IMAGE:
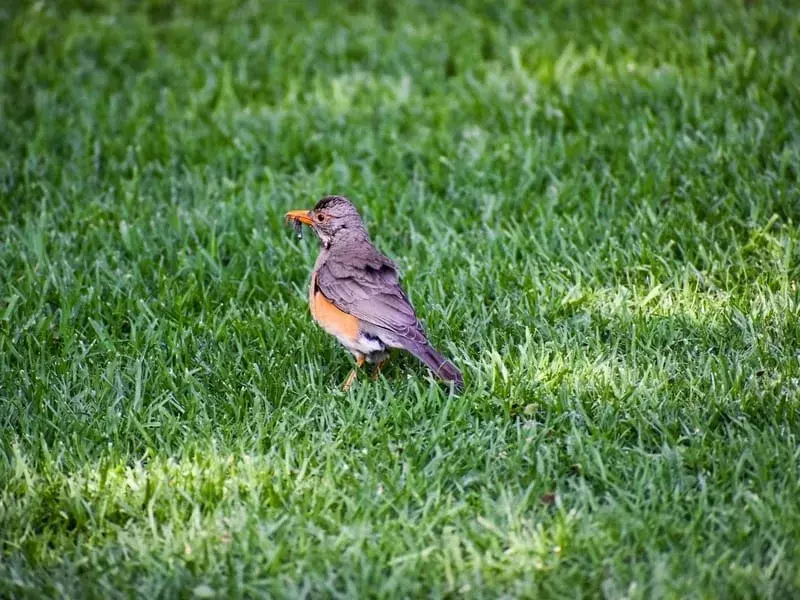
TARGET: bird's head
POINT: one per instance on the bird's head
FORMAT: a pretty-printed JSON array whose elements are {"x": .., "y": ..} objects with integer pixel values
[{"x": 331, "y": 216}]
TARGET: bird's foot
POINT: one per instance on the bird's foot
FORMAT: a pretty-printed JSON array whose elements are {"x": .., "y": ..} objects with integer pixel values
[
  {"x": 350, "y": 379},
  {"x": 378, "y": 367},
  {"x": 353, "y": 374}
]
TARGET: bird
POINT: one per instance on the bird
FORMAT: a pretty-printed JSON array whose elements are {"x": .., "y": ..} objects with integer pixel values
[{"x": 355, "y": 293}]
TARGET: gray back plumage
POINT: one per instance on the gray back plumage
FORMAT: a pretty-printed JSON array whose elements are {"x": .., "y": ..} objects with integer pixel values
[{"x": 361, "y": 281}]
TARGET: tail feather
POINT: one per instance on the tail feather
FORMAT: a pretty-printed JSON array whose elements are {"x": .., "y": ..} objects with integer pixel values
[{"x": 441, "y": 367}]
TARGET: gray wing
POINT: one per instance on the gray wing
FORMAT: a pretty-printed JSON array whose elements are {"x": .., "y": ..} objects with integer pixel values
[{"x": 365, "y": 284}]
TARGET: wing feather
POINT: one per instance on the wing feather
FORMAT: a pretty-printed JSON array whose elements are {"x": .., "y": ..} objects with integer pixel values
[{"x": 366, "y": 285}]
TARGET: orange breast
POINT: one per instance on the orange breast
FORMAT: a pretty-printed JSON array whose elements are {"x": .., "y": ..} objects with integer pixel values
[{"x": 336, "y": 322}]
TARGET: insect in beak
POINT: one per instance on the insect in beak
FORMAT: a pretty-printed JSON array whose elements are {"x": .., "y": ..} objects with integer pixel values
[{"x": 298, "y": 218}]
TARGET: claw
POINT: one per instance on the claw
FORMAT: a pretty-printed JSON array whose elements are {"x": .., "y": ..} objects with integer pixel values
[
  {"x": 349, "y": 381},
  {"x": 353, "y": 374},
  {"x": 378, "y": 367}
]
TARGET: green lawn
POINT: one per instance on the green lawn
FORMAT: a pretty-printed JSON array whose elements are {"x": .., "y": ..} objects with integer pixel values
[{"x": 596, "y": 213}]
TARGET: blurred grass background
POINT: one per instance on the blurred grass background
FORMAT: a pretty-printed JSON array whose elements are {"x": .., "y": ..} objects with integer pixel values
[{"x": 595, "y": 208}]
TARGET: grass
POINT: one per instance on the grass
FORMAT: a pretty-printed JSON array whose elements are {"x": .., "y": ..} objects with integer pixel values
[{"x": 595, "y": 209}]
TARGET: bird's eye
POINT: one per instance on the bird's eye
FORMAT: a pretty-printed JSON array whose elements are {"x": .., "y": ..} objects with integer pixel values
[{"x": 320, "y": 217}]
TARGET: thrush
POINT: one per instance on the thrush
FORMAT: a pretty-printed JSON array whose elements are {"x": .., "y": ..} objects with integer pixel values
[{"x": 355, "y": 293}]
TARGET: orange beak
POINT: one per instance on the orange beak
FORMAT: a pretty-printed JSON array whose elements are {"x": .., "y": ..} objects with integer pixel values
[{"x": 299, "y": 215}]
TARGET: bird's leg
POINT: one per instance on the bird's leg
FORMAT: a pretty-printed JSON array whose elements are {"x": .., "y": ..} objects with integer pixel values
[
  {"x": 352, "y": 377},
  {"x": 378, "y": 367}
]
